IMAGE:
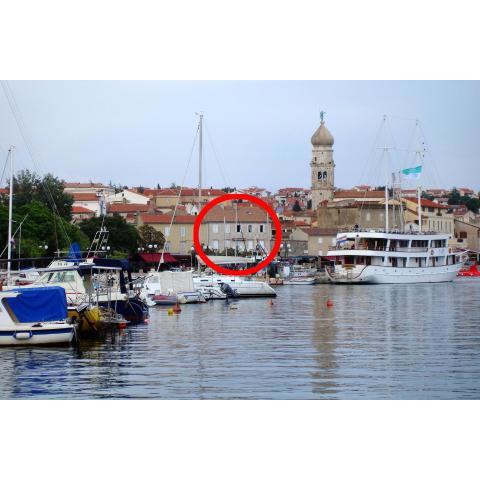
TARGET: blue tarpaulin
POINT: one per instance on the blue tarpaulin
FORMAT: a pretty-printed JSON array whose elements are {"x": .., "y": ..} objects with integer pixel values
[{"x": 39, "y": 304}]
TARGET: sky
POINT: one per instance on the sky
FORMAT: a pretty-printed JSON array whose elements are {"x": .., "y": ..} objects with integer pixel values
[{"x": 257, "y": 132}]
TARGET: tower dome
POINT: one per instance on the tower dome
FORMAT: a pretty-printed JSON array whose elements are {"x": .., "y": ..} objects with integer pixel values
[{"x": 322, "y": 137}]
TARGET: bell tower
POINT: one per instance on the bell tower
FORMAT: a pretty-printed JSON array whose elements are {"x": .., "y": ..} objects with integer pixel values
[{"x": 322, "y": 165}]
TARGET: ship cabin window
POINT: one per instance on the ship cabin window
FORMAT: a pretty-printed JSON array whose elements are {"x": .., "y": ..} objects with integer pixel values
[{"x": 349, "y": 261}]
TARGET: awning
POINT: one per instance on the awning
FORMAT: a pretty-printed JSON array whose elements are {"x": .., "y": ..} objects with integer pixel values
[{"x": 155, "y": 257}]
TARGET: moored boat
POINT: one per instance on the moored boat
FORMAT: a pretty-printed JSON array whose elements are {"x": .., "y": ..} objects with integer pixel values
[
  {"x": 34, "y": 316},
  {"x": 472, "y": 271}
]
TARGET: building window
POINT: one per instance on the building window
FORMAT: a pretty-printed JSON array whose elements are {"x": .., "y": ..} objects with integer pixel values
[
  {"x": 215, "y": 244},
  {"x": 167, "y": 231},
  {"x": 227, "y": 243},
  {"x": 262, "y": 228},
  {"x": 239, "y": 228},
  {"x": 250, "y": 245},
  {"x": 167, "y": 246},
  {"x": 368, "y": 216},
  {"x": 215, "y": 228},
  {"x": 319, "y": 176},
  {"x": 250, "y": 228},
  {"x": 320, "y": 240},
  {"x": 182, "y": 231},
  {"x": 183, "y": 246},
  {"x": 227, "y": 228},
  {"x": 324, "y": 176}
]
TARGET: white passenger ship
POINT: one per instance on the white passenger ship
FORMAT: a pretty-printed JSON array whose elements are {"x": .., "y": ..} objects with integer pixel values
[{"x": 392, "y": 257}]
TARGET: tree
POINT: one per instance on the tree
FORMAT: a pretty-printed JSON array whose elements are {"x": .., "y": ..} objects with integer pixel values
[
  {"x": 123, "y": 238},
  {"x": 454, "y": 198},
  {"x": 40, "y": 227},
  {"x": 140, "y": 189},
  {"x": 150, "y": 236},
  {"x": 174, "y": 186},
  {"x": 427, "y": 196},
  {"x": 49, "y": 190},
  {"x": 296, "y": 207},
  {"x": 473, "y": 204}
]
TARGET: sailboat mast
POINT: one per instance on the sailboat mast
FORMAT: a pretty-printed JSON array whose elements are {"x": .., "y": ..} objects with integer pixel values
[
  {"x": 418, "y": 161},
  {"x": 200, "y": 152},
  {"x": 385, "y": 158},
  {"x": 10, "y": 213}
]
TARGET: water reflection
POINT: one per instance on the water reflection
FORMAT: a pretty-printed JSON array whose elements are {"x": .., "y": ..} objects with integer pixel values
[{"x": 385, "y": 341}]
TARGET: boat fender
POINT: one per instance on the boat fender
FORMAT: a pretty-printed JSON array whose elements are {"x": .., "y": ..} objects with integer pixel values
[
  {"x": 22, "y": 335},
  {"x": 329, "y": 303}
]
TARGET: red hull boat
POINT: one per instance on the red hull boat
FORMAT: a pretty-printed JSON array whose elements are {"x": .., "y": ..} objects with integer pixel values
[{"x": 471, "y": 272}]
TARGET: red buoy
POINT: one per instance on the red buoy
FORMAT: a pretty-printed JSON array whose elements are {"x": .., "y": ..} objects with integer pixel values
[
  {"x": 329, "y": 303},
  {"x": 176, "y": 308}
]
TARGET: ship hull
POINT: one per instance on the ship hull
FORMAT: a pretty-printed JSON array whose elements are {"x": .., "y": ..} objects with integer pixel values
[{"x": 378, "y": 275}]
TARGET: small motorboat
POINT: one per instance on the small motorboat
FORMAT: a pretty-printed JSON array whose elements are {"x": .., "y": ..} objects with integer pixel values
[
  {"x": 471, "y": 272},
  {"x": 162, "y": 299},
  {"x": 191, "y": 297},
  {"x": 299, "y": 280},
  {"x": 34, "y": 316}
]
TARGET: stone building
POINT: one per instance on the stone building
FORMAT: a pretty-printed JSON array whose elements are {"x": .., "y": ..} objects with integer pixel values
[
  {"x": 240, "y": 226},
  {"x": 322, "y": 165}
]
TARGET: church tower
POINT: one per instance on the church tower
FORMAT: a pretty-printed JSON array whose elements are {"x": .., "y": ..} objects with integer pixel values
[{"x": 322, "y": 165}]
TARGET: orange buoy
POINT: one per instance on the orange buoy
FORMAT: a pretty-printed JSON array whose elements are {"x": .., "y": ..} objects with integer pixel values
[
  {"x": 329, "y": 303},
  {"x": 176, "y": 308}
]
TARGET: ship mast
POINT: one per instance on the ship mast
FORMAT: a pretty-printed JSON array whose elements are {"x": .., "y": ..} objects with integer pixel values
[
  {"x": 385, "y": 158},
  {"x": 418, "y": 161},
  {"x": 10, "y": 212},
  {"x": 200, "y": 153}
]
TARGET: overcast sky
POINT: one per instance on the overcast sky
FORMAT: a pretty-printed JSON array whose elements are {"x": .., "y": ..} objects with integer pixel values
[{"x": 141, "y": 133}]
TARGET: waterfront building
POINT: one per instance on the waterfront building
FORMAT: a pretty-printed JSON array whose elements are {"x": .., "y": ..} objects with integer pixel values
[
  {"x": 241, "y": 226},
  {"x": 315, "y": 241},
  {"x": 178, "y": 235},
  {"x": 435, "y": 217},
  {"x": 467, "y": 234},
  {"x": 322, "y": 165}
]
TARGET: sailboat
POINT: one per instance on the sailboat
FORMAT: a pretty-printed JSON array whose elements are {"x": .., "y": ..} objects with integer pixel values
[
  {"x": 392, "y": 256},
  {"x": 35, "y": 316}
]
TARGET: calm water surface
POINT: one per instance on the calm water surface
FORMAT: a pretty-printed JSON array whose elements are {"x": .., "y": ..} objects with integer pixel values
[{"x": 378, "y": 341}]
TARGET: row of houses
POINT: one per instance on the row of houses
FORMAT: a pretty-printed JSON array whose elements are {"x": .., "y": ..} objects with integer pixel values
[{"x": 244, "y": 226}]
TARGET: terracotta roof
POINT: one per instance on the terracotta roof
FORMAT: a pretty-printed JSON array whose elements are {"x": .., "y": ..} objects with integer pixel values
[
  {"x": 189, "y": 192},
  {"x": 127, "y": 207},
  {"x": 166, "y": 219},
  {"x": 424, "y": 202},
  {"x": 245, "y": 213},
  {"x": 317, "y": 232},
  {"x": 84, "y": 197},
  {"x": 80, "y": 209},
  {"x": 358, "y": 194}
]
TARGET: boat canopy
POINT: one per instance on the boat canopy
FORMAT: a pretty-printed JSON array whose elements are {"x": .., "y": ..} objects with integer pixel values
[
  {"x": 40, "y": 304},
  {"x": 156, "y": 257}
]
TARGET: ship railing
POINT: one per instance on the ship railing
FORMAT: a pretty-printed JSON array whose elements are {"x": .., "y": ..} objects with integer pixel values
[
  {"x": 378, "y": 249},
  {"x": 382, "y": 230}
]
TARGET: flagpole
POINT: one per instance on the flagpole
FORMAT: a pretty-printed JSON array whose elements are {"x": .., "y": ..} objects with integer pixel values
[{"x": 419, "y": 190}]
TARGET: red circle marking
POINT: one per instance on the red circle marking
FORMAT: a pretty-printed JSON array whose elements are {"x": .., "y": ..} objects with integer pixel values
[{"x": 237, "y": 196}]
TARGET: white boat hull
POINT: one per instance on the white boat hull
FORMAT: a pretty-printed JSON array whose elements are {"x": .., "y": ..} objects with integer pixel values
[
  {"x": 381, "y": 274},
  {"x": 40, "y": 334}
]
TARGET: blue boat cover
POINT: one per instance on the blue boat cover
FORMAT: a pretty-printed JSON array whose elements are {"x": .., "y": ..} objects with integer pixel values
[{"x": 39, "y": 304}]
